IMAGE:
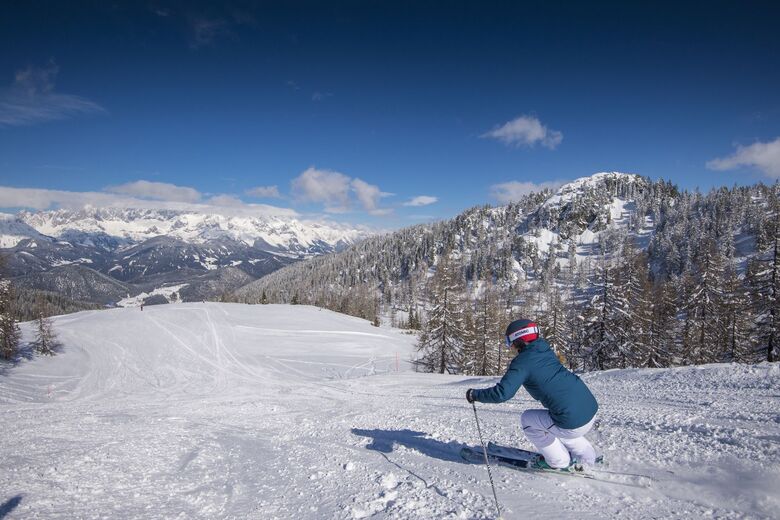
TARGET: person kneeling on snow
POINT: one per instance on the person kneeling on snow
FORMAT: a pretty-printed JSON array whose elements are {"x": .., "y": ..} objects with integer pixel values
[{"x": 557, "y": 432}]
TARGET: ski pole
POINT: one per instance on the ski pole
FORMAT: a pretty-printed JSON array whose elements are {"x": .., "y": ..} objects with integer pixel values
[{"x": 487, "y": 463}]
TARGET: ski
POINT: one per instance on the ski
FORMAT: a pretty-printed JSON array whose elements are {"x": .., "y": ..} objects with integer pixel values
[
  {"x": 509, "y": 452},
  {"x": 598, "y": 473},
  {"x": 518, "y": 453},
  {"x": 476, "y": 456}
]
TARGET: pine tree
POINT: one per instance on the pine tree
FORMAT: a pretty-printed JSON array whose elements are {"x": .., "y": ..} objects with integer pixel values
[
  {"x": 568, "y": 335},
  {"x": 764, "y": 278},
  {"x": 738, "y": 315},
  {"x": 485, "y": 337},
  {"x": 705, "y": 307},
  {"x": 45, "y": 341},
  {"x": 607, "y": 338},
  {"x": 413, "y": 322},
  {"x": 662, "y": 331},
  {"x": 553, "y": 321},
  {"x": 442, "y": 338},
  {"x": 588, "y": 337},
  {"x": 10, "y": 334},
  {"x": 639, "y": 299},
  {"x": 469, "y": 350}
]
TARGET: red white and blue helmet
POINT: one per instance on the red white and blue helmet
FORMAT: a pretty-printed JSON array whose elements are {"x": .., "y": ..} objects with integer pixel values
[{"x": 524, "y": 330}]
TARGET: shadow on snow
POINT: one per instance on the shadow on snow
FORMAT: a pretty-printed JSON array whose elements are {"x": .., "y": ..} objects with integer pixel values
[
  {"x": 10, "y": 505},
  {"x": 384, "y": 441}
]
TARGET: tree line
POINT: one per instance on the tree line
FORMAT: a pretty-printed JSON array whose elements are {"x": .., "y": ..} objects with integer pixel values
[{"x": 45, "y": 340}]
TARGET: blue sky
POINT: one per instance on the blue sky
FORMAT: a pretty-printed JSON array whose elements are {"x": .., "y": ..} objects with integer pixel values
[{"x": 388, "y": 113}]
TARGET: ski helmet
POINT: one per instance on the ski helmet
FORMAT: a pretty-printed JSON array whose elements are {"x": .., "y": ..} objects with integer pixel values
[{"x": 525, "y": 330}]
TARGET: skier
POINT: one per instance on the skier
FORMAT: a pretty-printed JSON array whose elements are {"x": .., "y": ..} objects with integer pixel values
[{"x": 557, "y": 431}]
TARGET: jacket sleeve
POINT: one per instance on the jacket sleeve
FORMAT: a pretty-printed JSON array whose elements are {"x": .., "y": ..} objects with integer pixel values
[{"x": 506, "y": 388}]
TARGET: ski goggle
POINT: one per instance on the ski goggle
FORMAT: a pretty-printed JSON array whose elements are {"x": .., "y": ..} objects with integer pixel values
[{"x": 520, "y": 333}]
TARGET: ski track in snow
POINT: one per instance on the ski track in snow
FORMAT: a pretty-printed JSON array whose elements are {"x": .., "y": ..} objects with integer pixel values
[{"x": 232, "y": 411}]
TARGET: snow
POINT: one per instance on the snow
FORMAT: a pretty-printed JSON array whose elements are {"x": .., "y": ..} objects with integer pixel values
[
  {"x": 167, "y": 291},
  {"x": 270, "y": 411},
  {"x": 543, "y": 238},
  {"x": 58, "y": 263},
  {"x": 209, "y": 263},
  {"x": 14, "y": 230},
  {"x": 136, "y": 225},
  {"x": 619, "y": 210},
  {"x": 575, "y": 188}
]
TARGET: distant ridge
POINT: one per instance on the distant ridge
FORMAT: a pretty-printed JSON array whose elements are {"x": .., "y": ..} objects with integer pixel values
[{"x": 142, "y": 250}]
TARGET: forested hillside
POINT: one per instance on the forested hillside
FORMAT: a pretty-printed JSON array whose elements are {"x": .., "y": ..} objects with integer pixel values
[{"x": 618, "y": 270}]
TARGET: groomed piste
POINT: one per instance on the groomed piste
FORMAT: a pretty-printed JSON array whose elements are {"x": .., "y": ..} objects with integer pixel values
[{"x": 271, "y": 411}]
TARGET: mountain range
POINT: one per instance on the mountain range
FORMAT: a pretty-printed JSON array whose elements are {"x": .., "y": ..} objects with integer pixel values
[
  {"x": 130, "y": 256},
  {"x": 108, "y": 255}
]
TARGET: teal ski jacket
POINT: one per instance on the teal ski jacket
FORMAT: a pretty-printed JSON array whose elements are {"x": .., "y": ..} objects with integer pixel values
[{"x": 570, "y": 402}]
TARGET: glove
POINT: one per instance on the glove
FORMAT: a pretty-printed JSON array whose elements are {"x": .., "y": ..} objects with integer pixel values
[{"x": 470, "y": 395}]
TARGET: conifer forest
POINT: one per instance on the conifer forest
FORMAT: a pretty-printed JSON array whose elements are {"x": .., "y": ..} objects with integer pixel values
[{"x": 617, "y": 270}]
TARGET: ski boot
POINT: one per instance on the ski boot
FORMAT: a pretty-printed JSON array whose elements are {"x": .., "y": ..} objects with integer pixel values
[{"x": 541, "y": 464}]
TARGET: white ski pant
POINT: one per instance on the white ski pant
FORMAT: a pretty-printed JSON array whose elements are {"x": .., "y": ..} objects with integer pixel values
[{"x": 556, "y": 444}]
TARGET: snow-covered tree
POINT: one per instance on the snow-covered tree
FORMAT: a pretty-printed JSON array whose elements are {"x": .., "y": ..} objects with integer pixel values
[
  {"x": 739, "y": 317},
  {"x": 704, "y": 305},
  {"x": 607, "y": 341},
  {"x": 638, "y": 288},
  {"x": 764, "y": 281}
]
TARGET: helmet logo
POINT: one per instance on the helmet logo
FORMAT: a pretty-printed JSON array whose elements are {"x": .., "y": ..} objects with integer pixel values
[{"x": 529, "y": 333}]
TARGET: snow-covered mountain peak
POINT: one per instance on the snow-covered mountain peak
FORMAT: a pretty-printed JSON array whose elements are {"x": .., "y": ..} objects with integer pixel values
[
  {"x": 13, "y": 230},
  {"x": 583, "y": 185},
  {"x": 132, "y": 225}
]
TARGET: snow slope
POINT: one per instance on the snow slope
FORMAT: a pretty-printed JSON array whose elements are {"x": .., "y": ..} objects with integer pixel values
[
  {"x": 232, "y": 411},
  {"x": 13, "y": 230}
]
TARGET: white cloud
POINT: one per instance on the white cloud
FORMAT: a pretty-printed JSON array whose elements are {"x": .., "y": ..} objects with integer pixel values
[
  {"x": 512, "y": 191},
  {"x": 525, "y": 131},
  {"x": 421, "y": 200},
  {"x": 262, "y": 192},
  {"x": 369, "y": 195},
  {"x": 31, "y": 99},
  {"x": 225, "y": 201},
  {"x": 156, "y": 191},
  {"x": 326, "y": 186},
  {"x": 333, "y": 189},
  {"x": 41, "y": 199},
  {"x": 382, "y": 212},
  {"x": 763, "y": 156}
]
